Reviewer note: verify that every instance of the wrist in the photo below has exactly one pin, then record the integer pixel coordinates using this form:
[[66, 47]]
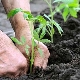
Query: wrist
[[18, 21]]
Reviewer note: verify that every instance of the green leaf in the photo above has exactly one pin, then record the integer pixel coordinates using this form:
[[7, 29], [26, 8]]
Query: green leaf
[[65, 13], [58, 27], [40, 52], [61, 6], [47, 17], [73, 12], [35, 44], [64, 1], [45, 41], [38, 29], [41, 19], [13, 12], [27, 49], [43, 32], [52, 31], [74, 4], [27, 15], [16, 40], [36, 35], [23, 40], [77, 9], [27, 46]]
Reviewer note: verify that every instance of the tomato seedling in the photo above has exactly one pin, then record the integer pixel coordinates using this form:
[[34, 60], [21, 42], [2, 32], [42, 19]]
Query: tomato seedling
[[35, 33]]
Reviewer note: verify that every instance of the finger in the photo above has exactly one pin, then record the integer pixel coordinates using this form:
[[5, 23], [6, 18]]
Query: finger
[[41, 61], [46, 56], [45, 63], [2, 71], [23, 70], [38, 60], [7, 73]]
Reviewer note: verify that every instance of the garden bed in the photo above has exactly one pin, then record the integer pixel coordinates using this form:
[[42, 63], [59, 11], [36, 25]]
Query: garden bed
[[64, 60]]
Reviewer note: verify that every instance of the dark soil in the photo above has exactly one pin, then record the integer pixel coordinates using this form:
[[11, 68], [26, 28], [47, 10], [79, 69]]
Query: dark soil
[[64, 61]]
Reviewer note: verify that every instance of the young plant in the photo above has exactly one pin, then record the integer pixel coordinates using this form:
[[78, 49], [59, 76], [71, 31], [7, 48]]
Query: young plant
[[35, 35], [51, 22], [66, 8]]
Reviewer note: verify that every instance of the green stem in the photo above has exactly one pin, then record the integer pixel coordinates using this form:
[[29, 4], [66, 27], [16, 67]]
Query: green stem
[[32, 40], [32, 56], [52, 38], [47, 3], [51, 12], [51, 20]]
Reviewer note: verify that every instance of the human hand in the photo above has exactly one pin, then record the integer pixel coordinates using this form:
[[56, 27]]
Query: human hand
[[12, 61], [41, 61]]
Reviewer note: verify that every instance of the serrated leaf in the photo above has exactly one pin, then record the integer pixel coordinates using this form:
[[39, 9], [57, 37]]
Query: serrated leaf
[[38, 29], [41, 20], [43, 32], [61, 6], [74, 4], [58, 27], [27, 15], [73, 12], [23, 40], [40, 52], [64, 1], [65, 13], [13, 12], [27, 49], [47, 17], [16, 40], [36, 35], [45, 41]]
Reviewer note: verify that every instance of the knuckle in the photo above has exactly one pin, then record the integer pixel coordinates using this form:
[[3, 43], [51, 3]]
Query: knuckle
[[13, 69], [46, 51], [11, 72], [22, 62], [23, 65]]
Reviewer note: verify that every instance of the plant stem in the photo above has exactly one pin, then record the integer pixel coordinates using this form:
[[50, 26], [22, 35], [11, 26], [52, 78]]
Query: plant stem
[[52, 38], [32, 56], [51, 20], [32, 53], [51, 12]]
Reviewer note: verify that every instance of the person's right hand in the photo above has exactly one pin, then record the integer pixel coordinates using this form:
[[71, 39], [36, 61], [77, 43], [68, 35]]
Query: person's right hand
[[41, 61], [12, 61]]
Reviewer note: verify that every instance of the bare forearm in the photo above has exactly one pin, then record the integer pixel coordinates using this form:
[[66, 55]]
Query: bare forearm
[[19, 24], [12, 4], [17, 20]]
